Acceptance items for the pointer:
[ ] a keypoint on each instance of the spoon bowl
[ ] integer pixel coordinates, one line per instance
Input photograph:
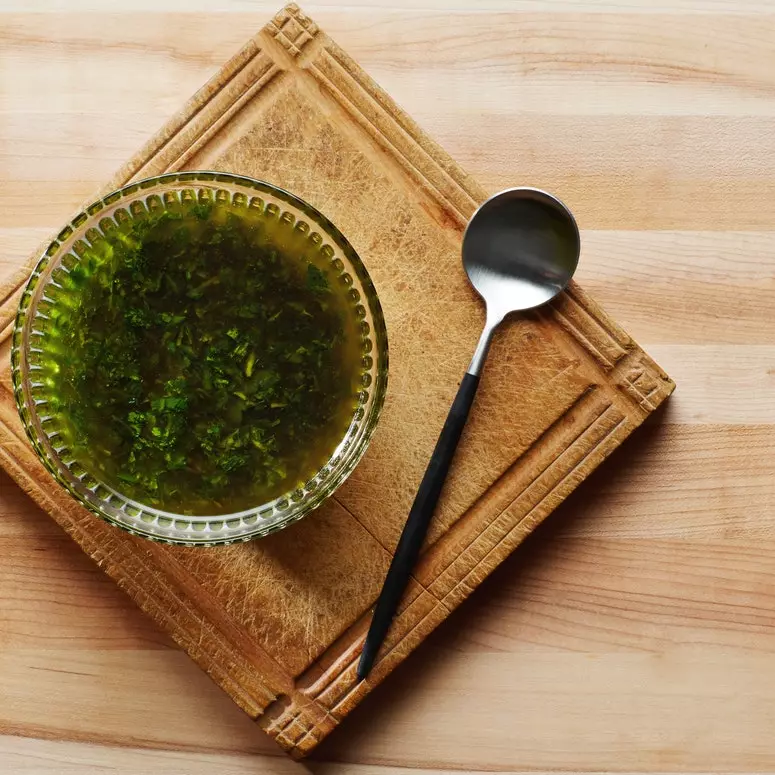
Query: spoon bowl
(520, 249)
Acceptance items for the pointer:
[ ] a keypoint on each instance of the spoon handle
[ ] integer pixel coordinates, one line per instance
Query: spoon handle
(417, 522)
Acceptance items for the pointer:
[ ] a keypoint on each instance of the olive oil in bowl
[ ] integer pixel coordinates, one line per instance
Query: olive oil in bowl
(202, 354)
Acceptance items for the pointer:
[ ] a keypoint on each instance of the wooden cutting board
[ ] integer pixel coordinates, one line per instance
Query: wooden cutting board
(278, 623)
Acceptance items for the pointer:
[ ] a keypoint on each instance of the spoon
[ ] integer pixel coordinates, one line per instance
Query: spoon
(520, 249)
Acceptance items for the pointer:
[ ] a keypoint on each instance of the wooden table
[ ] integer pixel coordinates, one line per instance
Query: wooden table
(636, 630)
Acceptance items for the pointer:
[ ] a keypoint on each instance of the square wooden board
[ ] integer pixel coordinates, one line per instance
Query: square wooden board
(279, 623)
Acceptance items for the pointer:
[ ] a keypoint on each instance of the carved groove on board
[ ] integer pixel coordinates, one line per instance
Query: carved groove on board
(9, 307)
(498, 538)
(612, 329)
(228, 102)
(290, 728)
(558, 440)
(641, 386)
(398, 118)
(589, 332)
(626, 365)
(343, 84)
(128, 564)
(332, 690)
(195, 109)
(292, 29)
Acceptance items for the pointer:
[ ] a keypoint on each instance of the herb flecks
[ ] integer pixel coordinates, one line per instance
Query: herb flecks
(203, 361)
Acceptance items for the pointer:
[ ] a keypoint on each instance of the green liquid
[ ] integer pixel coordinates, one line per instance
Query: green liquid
(202, 360)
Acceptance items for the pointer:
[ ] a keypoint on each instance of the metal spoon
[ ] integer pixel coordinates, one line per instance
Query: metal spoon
(520, 249)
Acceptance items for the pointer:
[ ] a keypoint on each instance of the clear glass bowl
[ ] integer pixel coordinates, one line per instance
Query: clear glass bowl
(29, 347)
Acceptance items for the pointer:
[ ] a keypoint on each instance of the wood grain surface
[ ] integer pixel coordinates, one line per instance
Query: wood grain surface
(634, 631)
(279, 623)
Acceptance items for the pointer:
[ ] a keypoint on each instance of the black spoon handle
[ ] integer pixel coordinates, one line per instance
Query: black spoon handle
(417, 522)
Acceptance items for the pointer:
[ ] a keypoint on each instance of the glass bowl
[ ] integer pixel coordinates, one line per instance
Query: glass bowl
(136, 201)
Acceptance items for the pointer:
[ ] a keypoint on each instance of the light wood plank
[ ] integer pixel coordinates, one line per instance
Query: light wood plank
(46, 203)
(146, 698)
(573, 593)
(683, 287)
(702, 482)
(319, 7)
(26, 756)
(721, 384)
(693, 709)
(53, 596)
(615, 172)
(529, 46)
(676, 703)
(569, 64)
(603, 596)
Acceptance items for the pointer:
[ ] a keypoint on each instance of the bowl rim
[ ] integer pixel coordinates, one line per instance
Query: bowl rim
(297, 509)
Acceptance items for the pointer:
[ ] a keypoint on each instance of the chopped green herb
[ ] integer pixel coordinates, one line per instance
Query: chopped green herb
(203, 362)
(317, 280)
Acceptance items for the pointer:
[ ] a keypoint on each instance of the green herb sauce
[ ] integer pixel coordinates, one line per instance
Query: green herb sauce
(202, 361)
